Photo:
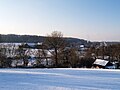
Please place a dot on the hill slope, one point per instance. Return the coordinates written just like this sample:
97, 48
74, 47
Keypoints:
12, 38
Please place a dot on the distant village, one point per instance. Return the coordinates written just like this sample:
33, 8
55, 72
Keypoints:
57, 53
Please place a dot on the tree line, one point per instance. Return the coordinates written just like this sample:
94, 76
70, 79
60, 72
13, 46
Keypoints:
13, 38
62, 53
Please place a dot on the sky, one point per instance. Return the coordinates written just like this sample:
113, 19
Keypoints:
94, 20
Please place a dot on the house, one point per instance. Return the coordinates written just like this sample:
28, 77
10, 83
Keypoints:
100, 63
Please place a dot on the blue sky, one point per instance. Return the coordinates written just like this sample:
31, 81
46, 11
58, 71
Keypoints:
95, 20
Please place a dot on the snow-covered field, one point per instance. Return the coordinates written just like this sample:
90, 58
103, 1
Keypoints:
59, 79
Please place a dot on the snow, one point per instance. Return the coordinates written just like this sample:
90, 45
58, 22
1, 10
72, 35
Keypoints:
59, 79
101, 62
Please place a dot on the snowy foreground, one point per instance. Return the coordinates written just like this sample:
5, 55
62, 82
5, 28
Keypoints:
59, 79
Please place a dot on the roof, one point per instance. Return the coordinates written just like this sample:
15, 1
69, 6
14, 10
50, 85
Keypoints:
101, 62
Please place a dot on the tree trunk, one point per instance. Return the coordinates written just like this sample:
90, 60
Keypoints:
56, 59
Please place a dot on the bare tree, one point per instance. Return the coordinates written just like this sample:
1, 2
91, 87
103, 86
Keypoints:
22, 55
73, 57
4, 61
55, 41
